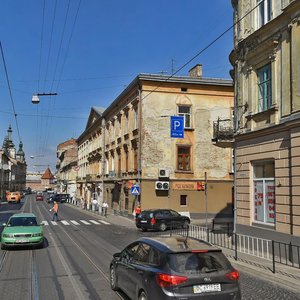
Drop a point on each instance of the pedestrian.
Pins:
(55, 209)
(137, 211)
(104, 208)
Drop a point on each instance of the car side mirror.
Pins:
(117, 255)
(4, 224)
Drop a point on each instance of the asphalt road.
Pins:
(74, 263)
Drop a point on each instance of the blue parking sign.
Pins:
(177, 127)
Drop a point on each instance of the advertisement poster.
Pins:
(258, 201)
(270, 201)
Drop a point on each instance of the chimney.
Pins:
(196, 71)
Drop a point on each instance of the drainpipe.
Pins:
(140, 142)
(235, 129)
(103, 163)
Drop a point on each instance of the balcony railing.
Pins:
(223, 132)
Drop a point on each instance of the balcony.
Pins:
(223, 133)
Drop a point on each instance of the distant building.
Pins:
(14, 172)
(40, 181)
(66, 167)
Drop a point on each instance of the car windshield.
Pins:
(22, 221)
(198, 262)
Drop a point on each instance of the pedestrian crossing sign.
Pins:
(135, 190)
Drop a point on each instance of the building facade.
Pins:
(66, 167)
(13, 165)
(133, 146)
(89, 174)
(267, 110)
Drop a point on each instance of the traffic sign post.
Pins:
(177, 127)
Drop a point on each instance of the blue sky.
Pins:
(88, 51)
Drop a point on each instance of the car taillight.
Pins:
(169, 280)
(234, 275)
(153, 221)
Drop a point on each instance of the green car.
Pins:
(22, 230)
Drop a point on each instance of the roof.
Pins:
(168, 79)
(22, 215)
(47, 175)
(177, 243)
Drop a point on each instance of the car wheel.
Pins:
(113, 278)
(186, 224)
(143, 296)
(162, 227)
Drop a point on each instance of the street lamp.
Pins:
(34, 156)
(36, 100)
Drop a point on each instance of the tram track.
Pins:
(92, 262)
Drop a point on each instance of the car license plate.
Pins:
(143, 221)
(22, 241)
(206, 288)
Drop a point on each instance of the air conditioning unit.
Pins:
(162, 185)
(163, 173)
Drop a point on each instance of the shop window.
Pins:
(183, 200)
(264, 193)
(184, 158)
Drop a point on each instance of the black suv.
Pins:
(161, 219)
(58, 198)
(174, 267)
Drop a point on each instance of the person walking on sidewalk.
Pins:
(55, 209)
(137, 211)
(104, 208)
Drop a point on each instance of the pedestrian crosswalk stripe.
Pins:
(74, 222)
(85, 222)
(94, 222)
(104, 222)
(65, 222)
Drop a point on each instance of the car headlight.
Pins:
(37, 234)
(7, 235)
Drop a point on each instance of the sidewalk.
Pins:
(285, 275)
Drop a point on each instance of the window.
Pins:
(126, 123)
(135, 159)
(120, 126)
(119, 164)
(185, 111)
(264, 192)
(184, 158)
(135, 118)
(126, 161)
(264, 12)
(183, 200)
(264, 88)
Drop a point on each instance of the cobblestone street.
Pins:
(254, 288)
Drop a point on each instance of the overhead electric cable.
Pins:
(41, 46)
(204, 49)
(68, 45)
(50, 46)
(60, 45)
(10, 93)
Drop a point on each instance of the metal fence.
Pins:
(274, 251)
